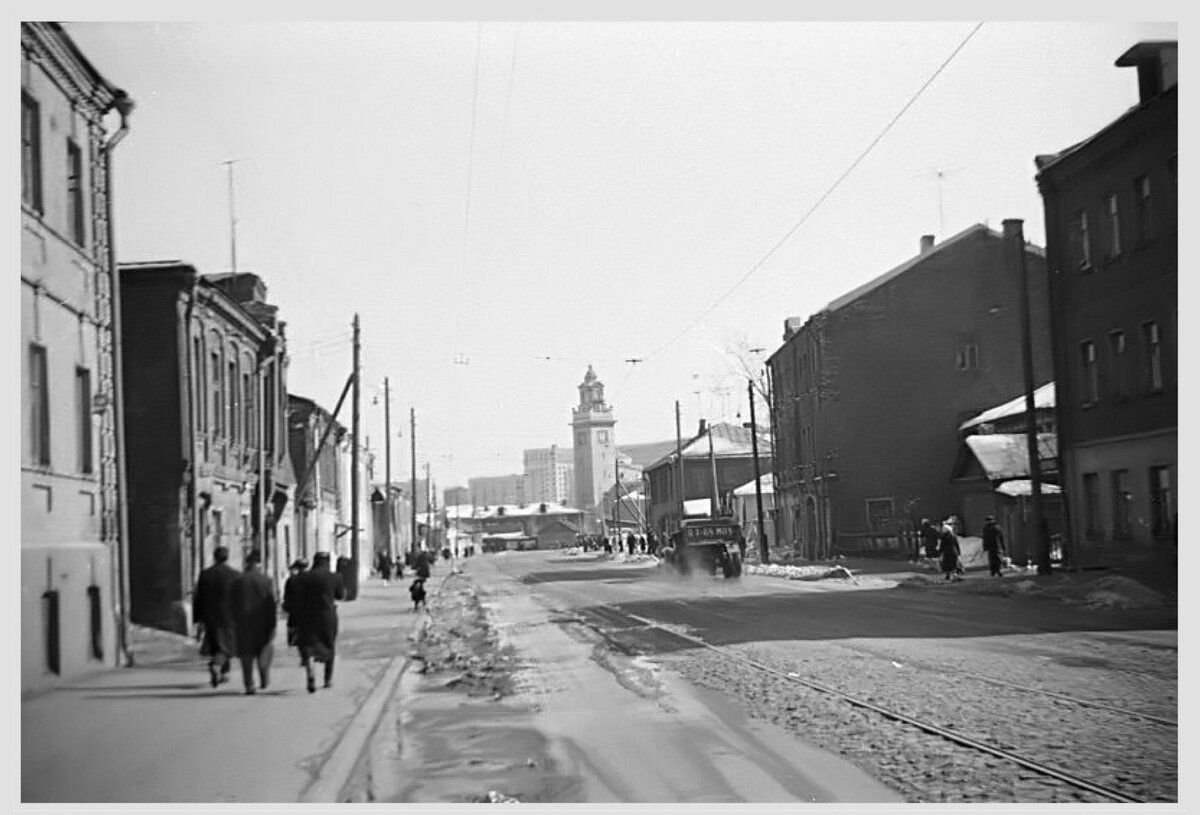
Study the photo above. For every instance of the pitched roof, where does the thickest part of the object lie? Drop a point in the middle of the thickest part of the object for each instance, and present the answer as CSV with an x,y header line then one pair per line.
x,y
728,441
1043,397
1005,455
768,486
646,453
1023,486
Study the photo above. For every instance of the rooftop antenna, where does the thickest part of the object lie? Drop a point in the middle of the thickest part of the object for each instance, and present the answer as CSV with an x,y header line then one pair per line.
x,y
939,175
232,217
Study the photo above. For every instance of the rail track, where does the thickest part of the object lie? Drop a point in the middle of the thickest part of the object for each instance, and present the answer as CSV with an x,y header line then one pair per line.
x,y
612,615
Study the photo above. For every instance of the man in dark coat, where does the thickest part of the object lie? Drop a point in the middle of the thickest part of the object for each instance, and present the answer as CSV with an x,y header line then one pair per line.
x,y
421,564
315,610
298,567
993,544
213,610
929,538
254,615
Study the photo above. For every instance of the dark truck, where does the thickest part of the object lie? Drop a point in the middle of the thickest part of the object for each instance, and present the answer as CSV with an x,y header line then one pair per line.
x,y
707,545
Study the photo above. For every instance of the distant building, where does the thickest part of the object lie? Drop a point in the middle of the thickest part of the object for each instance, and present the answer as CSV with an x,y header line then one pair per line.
x,y
534,526
71,569
551,474
493,490
868,392
595,452
456,496
319,478
207,459
1112,243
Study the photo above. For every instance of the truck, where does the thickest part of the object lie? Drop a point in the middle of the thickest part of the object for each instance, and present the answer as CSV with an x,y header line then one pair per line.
x,y
707,545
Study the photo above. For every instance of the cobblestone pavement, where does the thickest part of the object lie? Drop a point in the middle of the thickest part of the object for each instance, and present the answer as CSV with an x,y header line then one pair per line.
x,y
922,679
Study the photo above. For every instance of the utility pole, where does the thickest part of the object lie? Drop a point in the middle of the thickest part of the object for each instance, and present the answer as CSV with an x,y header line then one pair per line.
x,y
387,468
763,548
412,433
1014,244
232,217
712,462
679,463
352,588
428,508
616,496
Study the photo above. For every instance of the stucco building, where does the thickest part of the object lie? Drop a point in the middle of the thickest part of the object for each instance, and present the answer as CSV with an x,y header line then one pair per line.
x,y
1112,243
72,570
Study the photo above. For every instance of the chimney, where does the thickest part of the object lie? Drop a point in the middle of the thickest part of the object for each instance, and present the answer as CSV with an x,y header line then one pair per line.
x,y
703,427
926,244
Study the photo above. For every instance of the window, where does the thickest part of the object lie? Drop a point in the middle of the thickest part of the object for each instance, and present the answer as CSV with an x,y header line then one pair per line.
x,y
215,428
1113,215
1091,378
39,407
1116,362
75,192
1081,240
247,413
232,403
200,395
880,514
31,152
1141,197
966,356
1162,502
83,408
1121,499
1091,504
1153,356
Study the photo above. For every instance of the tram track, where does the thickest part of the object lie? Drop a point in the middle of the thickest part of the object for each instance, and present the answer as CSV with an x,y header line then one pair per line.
x,y
1063,776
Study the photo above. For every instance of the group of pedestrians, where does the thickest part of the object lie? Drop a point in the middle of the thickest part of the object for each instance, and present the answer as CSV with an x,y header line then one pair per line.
x,y
633,544
236,614
942,545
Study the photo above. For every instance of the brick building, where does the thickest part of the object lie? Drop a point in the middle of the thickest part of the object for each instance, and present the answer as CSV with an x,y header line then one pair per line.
x,y
868,392
1112,241
71,566
204,383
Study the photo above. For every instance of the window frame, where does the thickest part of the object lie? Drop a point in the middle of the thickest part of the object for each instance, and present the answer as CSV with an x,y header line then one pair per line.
x,y
76,216
85,459
39,405
1112,219
1152,343
1117,348
1090,483
1122,499
1143,210
1081,240
1089,371
1162,502
32,193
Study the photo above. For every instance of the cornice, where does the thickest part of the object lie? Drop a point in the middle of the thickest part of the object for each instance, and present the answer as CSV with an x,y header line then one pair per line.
x,y
51,49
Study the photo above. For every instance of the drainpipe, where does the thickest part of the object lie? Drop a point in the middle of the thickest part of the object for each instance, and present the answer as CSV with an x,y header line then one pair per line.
x,y
124,106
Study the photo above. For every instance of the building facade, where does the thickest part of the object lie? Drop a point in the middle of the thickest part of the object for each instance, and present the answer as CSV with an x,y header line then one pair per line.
x,y
72,546
551,474
868,392
595,450
493,490
207,463
1111,205
319,477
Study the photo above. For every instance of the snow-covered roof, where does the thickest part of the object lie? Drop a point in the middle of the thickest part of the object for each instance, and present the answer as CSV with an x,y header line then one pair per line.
x,y
728,441
1043,397
514,511
1005,455
508,536
1023,486
768,486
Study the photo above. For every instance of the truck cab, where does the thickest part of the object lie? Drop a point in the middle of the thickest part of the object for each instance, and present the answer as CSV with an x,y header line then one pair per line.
x,y
708,545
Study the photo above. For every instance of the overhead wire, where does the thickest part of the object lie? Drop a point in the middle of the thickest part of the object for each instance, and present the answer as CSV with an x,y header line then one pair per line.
x,y
825,196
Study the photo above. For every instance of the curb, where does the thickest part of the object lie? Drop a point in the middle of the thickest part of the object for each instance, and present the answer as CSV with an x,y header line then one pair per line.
x,y
339,769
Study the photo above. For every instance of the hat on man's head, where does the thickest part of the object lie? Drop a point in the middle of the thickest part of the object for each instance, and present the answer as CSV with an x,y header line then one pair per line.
x,y
988,518
299,563
320,557
254,556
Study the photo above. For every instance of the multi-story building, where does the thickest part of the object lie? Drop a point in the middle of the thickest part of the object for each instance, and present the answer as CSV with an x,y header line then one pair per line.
x,y
1112,243
868,392
72,570
319,477
204,378
493,490
595,451
551,474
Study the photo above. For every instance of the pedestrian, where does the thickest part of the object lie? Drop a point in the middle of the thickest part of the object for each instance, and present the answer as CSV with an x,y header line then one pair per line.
x,y
630,543
254,615
993,544
298,567
929,537
949,551
385,569
314,604
417,592
212,607
421,564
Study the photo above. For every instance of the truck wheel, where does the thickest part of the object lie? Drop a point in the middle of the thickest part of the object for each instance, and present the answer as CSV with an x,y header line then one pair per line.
x,y
727,567
737,567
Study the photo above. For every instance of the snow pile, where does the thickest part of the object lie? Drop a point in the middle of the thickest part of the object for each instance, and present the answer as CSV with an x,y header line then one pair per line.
x,y
1115,591
817,572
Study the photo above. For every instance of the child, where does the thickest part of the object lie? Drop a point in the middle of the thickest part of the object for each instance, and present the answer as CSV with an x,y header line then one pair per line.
x,y
417,591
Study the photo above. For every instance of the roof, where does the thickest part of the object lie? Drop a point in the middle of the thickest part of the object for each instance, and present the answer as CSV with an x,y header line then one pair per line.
x,y
768,486
1005,455
643,455
1043,397
514,511
728,441
1023,486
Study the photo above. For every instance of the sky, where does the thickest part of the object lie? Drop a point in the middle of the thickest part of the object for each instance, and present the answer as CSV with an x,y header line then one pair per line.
x,y
505,202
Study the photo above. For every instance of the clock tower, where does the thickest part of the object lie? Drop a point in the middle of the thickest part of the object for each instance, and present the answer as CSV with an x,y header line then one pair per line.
x,y
595,446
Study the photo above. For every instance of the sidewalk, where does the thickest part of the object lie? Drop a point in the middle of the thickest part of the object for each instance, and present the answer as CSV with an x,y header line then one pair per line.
x,y
158,733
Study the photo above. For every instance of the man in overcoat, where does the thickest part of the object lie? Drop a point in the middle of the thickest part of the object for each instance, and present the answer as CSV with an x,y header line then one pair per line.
x,y
993,544
254,615
212,608
314,608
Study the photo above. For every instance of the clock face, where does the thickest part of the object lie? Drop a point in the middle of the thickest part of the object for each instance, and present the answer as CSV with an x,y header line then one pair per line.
x,y
581,438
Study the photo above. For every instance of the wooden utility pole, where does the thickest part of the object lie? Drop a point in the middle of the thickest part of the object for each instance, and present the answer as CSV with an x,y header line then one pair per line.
x,y
679,463
428,508
617,497
763,549
712,462
1014,244
387,469
412,434
355,430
